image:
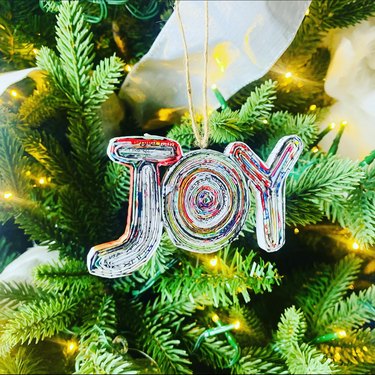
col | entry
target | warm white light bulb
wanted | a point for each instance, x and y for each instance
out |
(215, 318)
(213, 262)
(355, 246)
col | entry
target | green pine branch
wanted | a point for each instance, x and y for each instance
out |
(96, 352)
(158, 263)
(290, 330)
(350, 313)
(183, 133)
(103, 81)
(359, 215)
(258, 105)
(252, 328)
(51, 5)
(45, 149)
(234, 275)
(39, 107)
(258, 360)
(13, 163)
(47, 60)
(320, 186)
(104, 362)
(157, 334)
(325, 291)
(6, 253)
(22, 361)
(74, 43)
(71, 72)
(67, 275)
(354, 353)
(117, 185)
(332, 13)
(281, 124)
(305, 359)
(37, 320)
(13, 294)
(300, 357)
(227, 126)
(213, 350)
(38, 222)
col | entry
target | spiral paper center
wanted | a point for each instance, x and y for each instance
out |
(206, 201)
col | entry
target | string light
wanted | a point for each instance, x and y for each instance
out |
(265, 121)
(307, 12)
(219, 329)
(314, 150)
(221, 56)
(128, 68)
(355, 246)
(7, 195)
(71, 346)
(215, 318)
(35, 50)
(312, 107)
(13, 93)
(150, 282)
(213, 262)
(330, 336)
(323, 133)
(28, 173)
(337, 356)
(164, 114)
(335, 144)
(219, 97)
(42, 180)
(341, 334)
(288, 74)
(368, 159)
(296, 230)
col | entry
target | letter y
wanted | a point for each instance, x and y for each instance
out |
(267, 180)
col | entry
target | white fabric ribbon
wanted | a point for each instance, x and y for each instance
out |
(10, 78)
(21, 269)
(245, 40)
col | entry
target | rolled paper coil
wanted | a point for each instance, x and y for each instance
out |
(267, 181)
(206, 201)
(130, 150)
(144, 227)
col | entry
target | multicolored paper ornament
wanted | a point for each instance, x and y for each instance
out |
(203, 199)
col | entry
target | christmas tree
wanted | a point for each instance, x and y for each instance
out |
(307, 309)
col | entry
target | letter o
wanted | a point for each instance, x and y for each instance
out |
(206, 201)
